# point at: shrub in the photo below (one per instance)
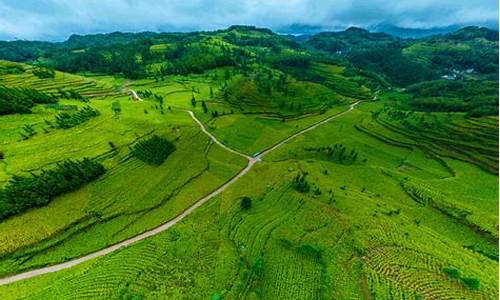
(216, 296)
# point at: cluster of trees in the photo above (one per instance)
(153, 150)
(338, 153)
(71, 94)
(300, 183)
(116, 108)
(24, 192)
(66, 120)
(470, 282)
(21, 100)
(43, 72)
(182, 58)
(147, 94)
(475, 97)
(28, 131)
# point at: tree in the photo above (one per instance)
(116, 107)
(246, 203)
(471, 282)
(300, 183)
(193, 101)
(204, 106)
(43, 72)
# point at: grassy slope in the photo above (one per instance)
(132, 197)
(374, 238)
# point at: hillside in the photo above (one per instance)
(244, 164)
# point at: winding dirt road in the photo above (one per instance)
(134, 94)
(178, 218)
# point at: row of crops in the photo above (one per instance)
(66, 120)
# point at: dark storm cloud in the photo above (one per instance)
(57, 19)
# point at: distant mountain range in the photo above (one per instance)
(403, 32)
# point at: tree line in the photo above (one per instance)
(21, 100)
(66, 120)
(25, 192)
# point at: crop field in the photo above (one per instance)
(242, 164)
(192, 171)
(403, 243)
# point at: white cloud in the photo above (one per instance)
(57, 19)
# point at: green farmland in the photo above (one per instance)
(395, 197)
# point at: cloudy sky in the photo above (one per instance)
(57, 19)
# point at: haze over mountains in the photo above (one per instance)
(403, 32)
(53, 20)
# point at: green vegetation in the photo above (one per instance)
(21, 100)
(338, 153)
(65, 120)
(246, 202)
(153, 151)
(394, 199)
(43, 72)
(22, 193)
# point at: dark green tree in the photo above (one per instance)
(246, 203)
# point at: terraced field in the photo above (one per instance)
(398, 247)
(118, 213)
(241, 164)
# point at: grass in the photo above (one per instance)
(386, 226)
(137, 198)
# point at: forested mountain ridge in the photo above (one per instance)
(428, 58)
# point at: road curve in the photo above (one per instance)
(134, 94)
(178, 218)
(301, 132)
(214, 139)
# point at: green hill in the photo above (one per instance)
(348, 165)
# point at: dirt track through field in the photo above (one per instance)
(251, 161)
